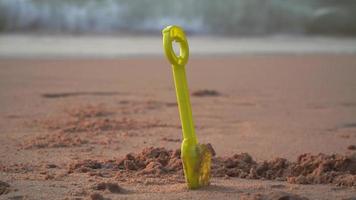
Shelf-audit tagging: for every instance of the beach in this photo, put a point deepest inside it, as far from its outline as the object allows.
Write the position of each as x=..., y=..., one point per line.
x=58, y=111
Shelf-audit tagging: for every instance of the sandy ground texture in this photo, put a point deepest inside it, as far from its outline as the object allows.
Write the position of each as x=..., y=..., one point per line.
x=282, y=127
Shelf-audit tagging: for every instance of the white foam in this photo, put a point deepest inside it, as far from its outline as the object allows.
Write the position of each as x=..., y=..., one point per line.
x=25, y=46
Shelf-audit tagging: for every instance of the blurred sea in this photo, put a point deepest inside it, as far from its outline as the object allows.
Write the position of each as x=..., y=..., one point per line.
x=207, y=17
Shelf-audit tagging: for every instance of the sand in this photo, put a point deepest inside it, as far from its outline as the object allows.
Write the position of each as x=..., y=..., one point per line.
x=282, y=127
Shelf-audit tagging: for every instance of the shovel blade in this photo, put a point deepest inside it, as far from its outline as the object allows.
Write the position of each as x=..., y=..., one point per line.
x=196, y=164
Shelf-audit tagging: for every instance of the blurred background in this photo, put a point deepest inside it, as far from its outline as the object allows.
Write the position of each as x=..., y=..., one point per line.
x=226, y=17
x=266, y=19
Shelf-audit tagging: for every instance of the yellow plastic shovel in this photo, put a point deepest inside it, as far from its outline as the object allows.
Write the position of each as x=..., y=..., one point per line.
x=196, y=157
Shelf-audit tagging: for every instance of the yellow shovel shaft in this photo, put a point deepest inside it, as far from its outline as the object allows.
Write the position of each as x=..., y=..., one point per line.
x=176, y=34
x=185, y=110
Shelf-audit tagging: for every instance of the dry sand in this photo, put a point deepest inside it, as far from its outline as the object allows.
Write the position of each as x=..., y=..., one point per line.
x=58, y=114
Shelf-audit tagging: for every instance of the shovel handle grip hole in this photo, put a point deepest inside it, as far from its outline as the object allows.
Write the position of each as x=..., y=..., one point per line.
x=174, y=34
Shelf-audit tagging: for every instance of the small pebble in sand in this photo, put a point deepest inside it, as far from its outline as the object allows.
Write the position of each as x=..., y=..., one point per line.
x=97, y=196
x=4, y=188
x=206, y=93
x=351, y=198
x=279, y=186
x=112, y=187
x=170, y=139
x=49, y=166
x=351, y=147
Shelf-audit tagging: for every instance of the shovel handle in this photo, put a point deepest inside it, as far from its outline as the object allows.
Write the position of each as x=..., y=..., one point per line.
x=176, y=34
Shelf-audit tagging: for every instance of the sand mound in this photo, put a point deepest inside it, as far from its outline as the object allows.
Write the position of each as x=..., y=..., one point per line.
x=322, y=168
x=150, y=161
x=155, y=162
x=308, y=169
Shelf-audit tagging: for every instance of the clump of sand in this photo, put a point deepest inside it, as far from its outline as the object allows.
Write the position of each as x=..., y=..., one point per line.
x=308, y=169
x=157, y=162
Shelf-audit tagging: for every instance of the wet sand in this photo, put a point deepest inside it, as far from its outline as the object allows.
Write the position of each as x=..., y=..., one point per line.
x=56, y=113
